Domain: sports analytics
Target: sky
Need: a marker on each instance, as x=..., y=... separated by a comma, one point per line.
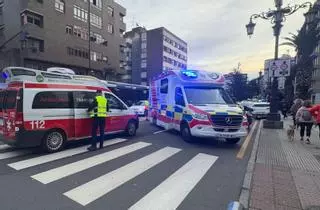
x=215, y=30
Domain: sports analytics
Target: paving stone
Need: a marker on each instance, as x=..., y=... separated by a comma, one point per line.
x=260, y=204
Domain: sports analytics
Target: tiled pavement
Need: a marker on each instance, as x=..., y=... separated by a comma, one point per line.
x=286, y=174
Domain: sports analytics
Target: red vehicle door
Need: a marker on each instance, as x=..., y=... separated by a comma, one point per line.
x=9, y=112
x=116, y=115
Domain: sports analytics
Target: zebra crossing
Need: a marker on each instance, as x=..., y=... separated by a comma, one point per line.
x=168, y=194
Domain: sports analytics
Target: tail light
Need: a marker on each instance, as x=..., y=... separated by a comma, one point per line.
x=245, y=122
x=19, y=119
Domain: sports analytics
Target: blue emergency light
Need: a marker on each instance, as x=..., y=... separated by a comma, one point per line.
x=5, y=75
x=189, y=73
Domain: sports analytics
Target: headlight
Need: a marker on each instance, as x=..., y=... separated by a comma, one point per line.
x=200, y=116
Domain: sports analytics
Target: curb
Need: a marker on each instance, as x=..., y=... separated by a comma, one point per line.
x=243, y=202
x=245, y=190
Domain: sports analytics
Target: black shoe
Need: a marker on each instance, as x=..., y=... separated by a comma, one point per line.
x=91, y=148
x=101, y=146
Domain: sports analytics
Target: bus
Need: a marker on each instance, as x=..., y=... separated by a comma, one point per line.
x=129, y=93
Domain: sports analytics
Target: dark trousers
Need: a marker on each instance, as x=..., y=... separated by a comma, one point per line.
x=98, y=122
x=305, y=126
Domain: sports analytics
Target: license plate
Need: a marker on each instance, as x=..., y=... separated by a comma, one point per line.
x=225, y=135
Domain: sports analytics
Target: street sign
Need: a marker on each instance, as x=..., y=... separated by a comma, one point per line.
x=280, y=68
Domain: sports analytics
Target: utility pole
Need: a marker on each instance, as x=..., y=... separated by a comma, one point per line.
x=89, y=33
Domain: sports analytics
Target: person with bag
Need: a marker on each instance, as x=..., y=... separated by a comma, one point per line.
x=315, y=111
x=294, y=109
x=305, y=120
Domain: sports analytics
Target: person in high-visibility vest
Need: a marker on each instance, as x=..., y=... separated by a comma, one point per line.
x=98, y=112
x=146, y=105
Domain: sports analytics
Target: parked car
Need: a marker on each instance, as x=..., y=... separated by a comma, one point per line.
x=260, y=109
x=140, y=108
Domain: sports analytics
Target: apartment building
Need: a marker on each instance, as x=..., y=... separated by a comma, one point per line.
x=41, y=34
x=153, y=52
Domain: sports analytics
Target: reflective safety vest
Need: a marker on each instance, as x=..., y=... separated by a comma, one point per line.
x=101, y=109
x=146, y=103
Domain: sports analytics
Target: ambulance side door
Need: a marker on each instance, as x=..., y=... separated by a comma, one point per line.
x=179, y=106
x=116, y=115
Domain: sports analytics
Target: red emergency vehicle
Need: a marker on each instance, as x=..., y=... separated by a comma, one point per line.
x=49, y=109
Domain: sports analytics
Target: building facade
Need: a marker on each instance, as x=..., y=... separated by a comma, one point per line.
x=155, y=51
x=41, y=34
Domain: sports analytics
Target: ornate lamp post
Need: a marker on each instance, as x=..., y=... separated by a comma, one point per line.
x=277, y=17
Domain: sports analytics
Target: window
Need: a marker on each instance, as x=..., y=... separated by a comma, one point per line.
x=10, y=99
x=52, y=100
x=82, y=100
x=35, y=44
x=81, y=32
x=97, y=38
x=143, y=63
x=69, y=30
x=97, y=3
x=143, y=45
x=110, y=28
x=164, y=86
x=143, y=55
x=95, y=20
x=59, y=5
x=1, y=99
x=110, y=11
x=203, y=96
x=78, y=52
x=80, y=14
x=114, y=103
x=144, y=83
x=32, y=18
x=143, y=74
x=179, y=99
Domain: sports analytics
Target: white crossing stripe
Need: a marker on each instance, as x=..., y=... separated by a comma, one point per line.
x=172, y=191
x=96, y=188
x=4, y=147
x=81, y=165
x=12, y=154
x=56, y=156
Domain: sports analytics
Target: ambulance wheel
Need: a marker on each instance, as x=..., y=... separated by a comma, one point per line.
x=233, y=141
x=131, y=128
x=54, y=141
x=186, y=134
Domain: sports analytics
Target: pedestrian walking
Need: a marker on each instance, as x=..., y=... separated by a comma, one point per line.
x=284, y=108
x=315, y=111
x=305, y=120
x=294, y=109
x=98, y=112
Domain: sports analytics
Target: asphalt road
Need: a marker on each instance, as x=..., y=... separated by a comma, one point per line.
x=154, y=170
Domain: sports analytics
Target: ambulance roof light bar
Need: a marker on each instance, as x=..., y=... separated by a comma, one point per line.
x=190, y=73
x=34, y=75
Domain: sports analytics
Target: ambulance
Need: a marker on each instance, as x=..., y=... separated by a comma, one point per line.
x=195, y=104
x=48, y=109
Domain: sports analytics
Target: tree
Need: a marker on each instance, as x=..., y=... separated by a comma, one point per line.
x=238, y=85
x=304, y=43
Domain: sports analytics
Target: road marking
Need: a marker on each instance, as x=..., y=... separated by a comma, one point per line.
x=56, y=156
x=160, y=131
x=172, y=191
x=12, y=154
x=81, y=165
x=96, y=188
x=4, y=147
x=245, y=144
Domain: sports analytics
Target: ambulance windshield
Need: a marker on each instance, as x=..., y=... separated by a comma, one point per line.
x=201, y=96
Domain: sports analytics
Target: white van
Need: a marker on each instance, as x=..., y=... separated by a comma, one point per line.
x=48, y=109
x=195, y=103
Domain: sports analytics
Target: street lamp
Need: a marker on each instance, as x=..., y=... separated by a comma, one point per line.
x=277, y=17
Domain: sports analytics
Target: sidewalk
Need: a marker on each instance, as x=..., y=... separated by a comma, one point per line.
x=286, y=174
